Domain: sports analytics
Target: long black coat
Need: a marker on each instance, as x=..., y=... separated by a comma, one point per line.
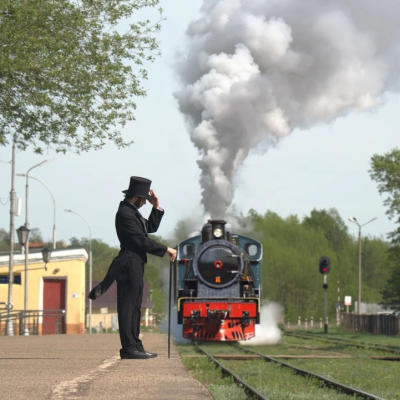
x=132, y=231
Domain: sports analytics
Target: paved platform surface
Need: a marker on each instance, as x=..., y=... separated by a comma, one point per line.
x=89, y=367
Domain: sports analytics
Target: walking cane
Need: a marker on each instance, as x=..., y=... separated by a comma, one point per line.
x=169, y=308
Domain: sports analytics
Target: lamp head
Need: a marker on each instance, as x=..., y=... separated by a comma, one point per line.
x=46, y=253
x=46, y=161
x=23, y=234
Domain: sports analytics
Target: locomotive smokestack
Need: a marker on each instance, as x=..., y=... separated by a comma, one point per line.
x=217, y=228
x=213, y=229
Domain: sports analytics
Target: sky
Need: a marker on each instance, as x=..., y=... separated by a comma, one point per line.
x=322, y=167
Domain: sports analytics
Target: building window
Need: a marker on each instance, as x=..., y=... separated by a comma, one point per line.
x=4, y=279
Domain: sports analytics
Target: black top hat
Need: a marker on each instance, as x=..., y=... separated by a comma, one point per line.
x=139, y=187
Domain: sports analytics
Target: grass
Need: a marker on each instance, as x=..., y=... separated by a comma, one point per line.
x=373, y=376
x=222, y=388
x=342, y=333
x=279, y=383
x=378, y=377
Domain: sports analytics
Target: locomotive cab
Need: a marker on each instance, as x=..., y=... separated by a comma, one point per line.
x=218, y=284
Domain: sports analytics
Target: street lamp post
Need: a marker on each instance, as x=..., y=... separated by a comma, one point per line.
x=354, y=221
x=27, y=226
x=90, y=267
x=23, y=236
x=54, y=207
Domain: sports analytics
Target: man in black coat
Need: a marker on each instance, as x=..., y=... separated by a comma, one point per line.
x=128, y=267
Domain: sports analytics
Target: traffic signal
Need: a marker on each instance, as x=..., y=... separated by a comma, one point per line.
x=324, y=265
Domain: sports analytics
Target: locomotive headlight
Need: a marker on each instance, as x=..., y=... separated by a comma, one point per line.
x=217, y=232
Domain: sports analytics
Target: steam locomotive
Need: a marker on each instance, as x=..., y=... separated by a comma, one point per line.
x=217, y=283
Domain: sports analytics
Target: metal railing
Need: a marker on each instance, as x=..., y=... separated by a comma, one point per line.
x=37, y=322
x=6, y=305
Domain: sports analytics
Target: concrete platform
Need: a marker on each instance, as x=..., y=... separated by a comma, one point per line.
x=88, y=367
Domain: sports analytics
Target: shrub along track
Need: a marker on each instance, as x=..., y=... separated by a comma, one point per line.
x=331, y=384
x=346, y=342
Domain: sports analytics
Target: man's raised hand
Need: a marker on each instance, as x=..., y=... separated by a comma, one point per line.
x=153, y=200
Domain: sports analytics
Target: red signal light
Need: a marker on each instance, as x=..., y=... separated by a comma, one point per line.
x=324, y=265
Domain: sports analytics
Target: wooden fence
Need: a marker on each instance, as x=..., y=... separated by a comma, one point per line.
x=382, y=324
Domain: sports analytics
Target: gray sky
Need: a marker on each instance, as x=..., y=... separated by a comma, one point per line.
x=326, y=166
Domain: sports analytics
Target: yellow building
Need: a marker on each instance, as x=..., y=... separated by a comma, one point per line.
x=59, y=286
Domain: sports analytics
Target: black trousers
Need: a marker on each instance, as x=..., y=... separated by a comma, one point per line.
x=130, y=294
x=127, y=269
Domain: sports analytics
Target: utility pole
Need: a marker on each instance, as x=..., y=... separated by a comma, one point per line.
x=354, y=221
x=9, y=325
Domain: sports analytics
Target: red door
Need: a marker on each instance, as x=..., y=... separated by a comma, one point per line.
x=53, y=302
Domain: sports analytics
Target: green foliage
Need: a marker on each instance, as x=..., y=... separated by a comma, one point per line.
x=35, y=236
x=68, y=74
x=331, y=225
x=292, y=249
x=102, y=253
x=385, y=170
x=391, y=292
x=155, y=272
x=4, y=240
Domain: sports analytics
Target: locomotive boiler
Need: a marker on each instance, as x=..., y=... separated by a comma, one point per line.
x=217, y=279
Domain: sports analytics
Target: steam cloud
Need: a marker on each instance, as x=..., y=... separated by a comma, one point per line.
x=268, y=331
x=255, y=70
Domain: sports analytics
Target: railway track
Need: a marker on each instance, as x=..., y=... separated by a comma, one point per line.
x=253, y=392
x=346, y=342
x=329, y=383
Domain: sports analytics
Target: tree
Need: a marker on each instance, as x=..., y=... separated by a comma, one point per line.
x=332, y=225
x=385, y=170
x=391, y=293
x=4, y=240
x=102, y=253
x=68, y=75
x=35, y=236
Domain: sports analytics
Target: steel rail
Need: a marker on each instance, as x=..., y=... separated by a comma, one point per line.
x=246, y=387
x=328, y=382
x=347, y=342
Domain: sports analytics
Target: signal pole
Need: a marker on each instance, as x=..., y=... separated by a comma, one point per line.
x=325, y=287
x=338, y=306
x=324, y=269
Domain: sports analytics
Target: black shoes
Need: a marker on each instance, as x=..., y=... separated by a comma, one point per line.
x=151, y=355
x=137, y=355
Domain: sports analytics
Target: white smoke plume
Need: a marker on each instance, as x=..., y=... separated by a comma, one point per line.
x=255, y=70
x=267, y=332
